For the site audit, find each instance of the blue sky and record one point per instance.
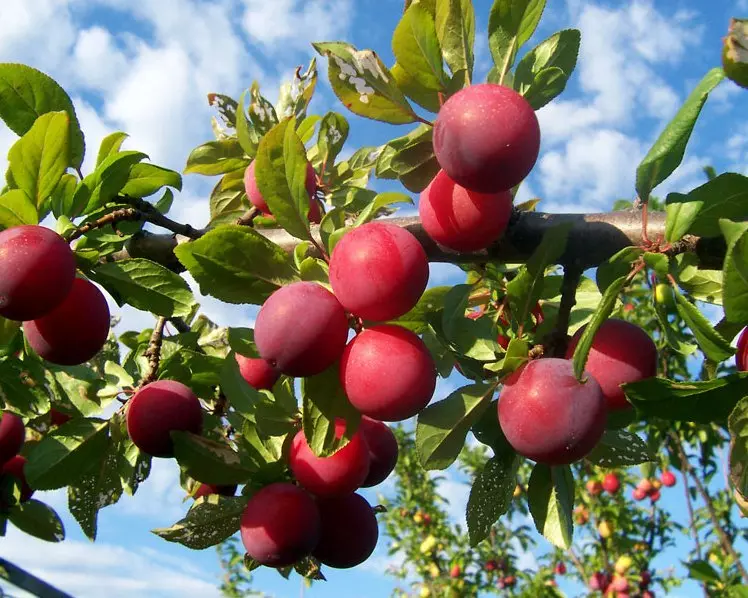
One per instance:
(145, 67)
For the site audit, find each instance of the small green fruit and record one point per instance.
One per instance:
(664, 295)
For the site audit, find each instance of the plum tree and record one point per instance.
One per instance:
(158, 409)
(339, 474)
(741, 357)
(378, 271)
(258, 201)
(280, 525)
(37, 269)
(383, 450)
(461, 219)
(301, 329)
(348, 531)
(15, 467)
(75, 330)
(621, 352)
(12, 435)
(258, 373)
(549, 416)
(487, 138)
(611, 483)
(388, 373)
(208, 489)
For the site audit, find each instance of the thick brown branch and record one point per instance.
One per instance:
(151, 214)
(558, 341)
(153, 352)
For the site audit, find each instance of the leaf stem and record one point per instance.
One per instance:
(248, 217)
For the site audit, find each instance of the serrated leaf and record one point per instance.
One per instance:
(17, 209)
(709, 340)
(26, 94)
(424, 97)
(146, 179)
(510, 24)
(674, 338)
(66, 453)
(416, 47)
(700, 402)
(211, 520)
(617, 266)
(62, 199)
(23, 390)
(146, 285)
(620, 448)
(236, 264)
(103, 184)
(216, 157)
(472, 338)
(735, 273)
(491, 494)
(38, 160)
(737, 424)
(364, 85)
(602, 313)
(551, 498)
(333, 133)
(323, 401)
(209, 461)
(667, 152)
(443, 426)
(455, 29)
(38, 520)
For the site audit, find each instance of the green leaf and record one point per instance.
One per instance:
(246, 135)
(103, 184)
(423, 96)
(66, 453)
(443, 426)
(410, 158)
(242, 397)
(488, 431)
(110, 145)
(735, 63)
(236, 264)
(491, 494)
(455, 28)
(416, 47)
(38, 520)
(197, 370)
(700, 211)
(21, 390)
(620, 448)
(146, 179)
(667, 152)
(551, 498)
(699, 283)
(472, 338)
(674, 337)
(16, 209)
(216, 157)
(364, 85)
(323, 401)
(382, 200)
(603, 313)
(38, 160)
(209, 461)
(709, 340)
(211, 520)
(146, 285)
(543, 73)
(700, 402)
(735, 274)
(62, 199)
(617, 266)
(280, 170)
(737, 423)
(261, 111)
(702, 571)
(133, 466)
(510, 24)
(295, 96)
(241, 340)
(525, 289)
(26, 94)
(333, 133)
(432, 301)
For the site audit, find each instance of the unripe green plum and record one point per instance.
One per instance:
(664, 295)
(74, 331)
(280, 525)
(487, 138)
(301, 329)
(383, 450)
(258, 201)
(15, 467)
(621, 353)
(461, 219)
(387, 373)
(258, 373)
(336, 475)
(158, 409)
(12, 435)
(37, 269)
(349, 531)
(378, 271)
(548, 416)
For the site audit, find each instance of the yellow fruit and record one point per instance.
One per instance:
(656, 484)
(714, 558)
(434, 570)
(605, 529)
(428, 544)
(517, 491)
(623, 564)
(418, 517)
(425, 592)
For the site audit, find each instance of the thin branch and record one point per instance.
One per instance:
(153, 352)
(248, 217)
(558, 341)
(578, 564)
(110, 218)
(152, 215)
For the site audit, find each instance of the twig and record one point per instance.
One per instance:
(153, 352)
(724, 540)
(110, 218)
(152, 215)
(578, 564)
(558, 341)
(423, 120)
(248, 217)
(645, 222)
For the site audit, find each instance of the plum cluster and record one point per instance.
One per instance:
(486, 141)
(12, 436)
(65, 319)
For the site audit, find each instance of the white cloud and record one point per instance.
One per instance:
(88, 570)
(98, 61)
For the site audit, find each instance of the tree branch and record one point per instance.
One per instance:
(110, 218)
(558, 340)
(153, 352)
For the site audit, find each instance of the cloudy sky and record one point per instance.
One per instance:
(145, 67)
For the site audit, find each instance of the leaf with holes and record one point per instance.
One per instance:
(209, 461)
(620, 448)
